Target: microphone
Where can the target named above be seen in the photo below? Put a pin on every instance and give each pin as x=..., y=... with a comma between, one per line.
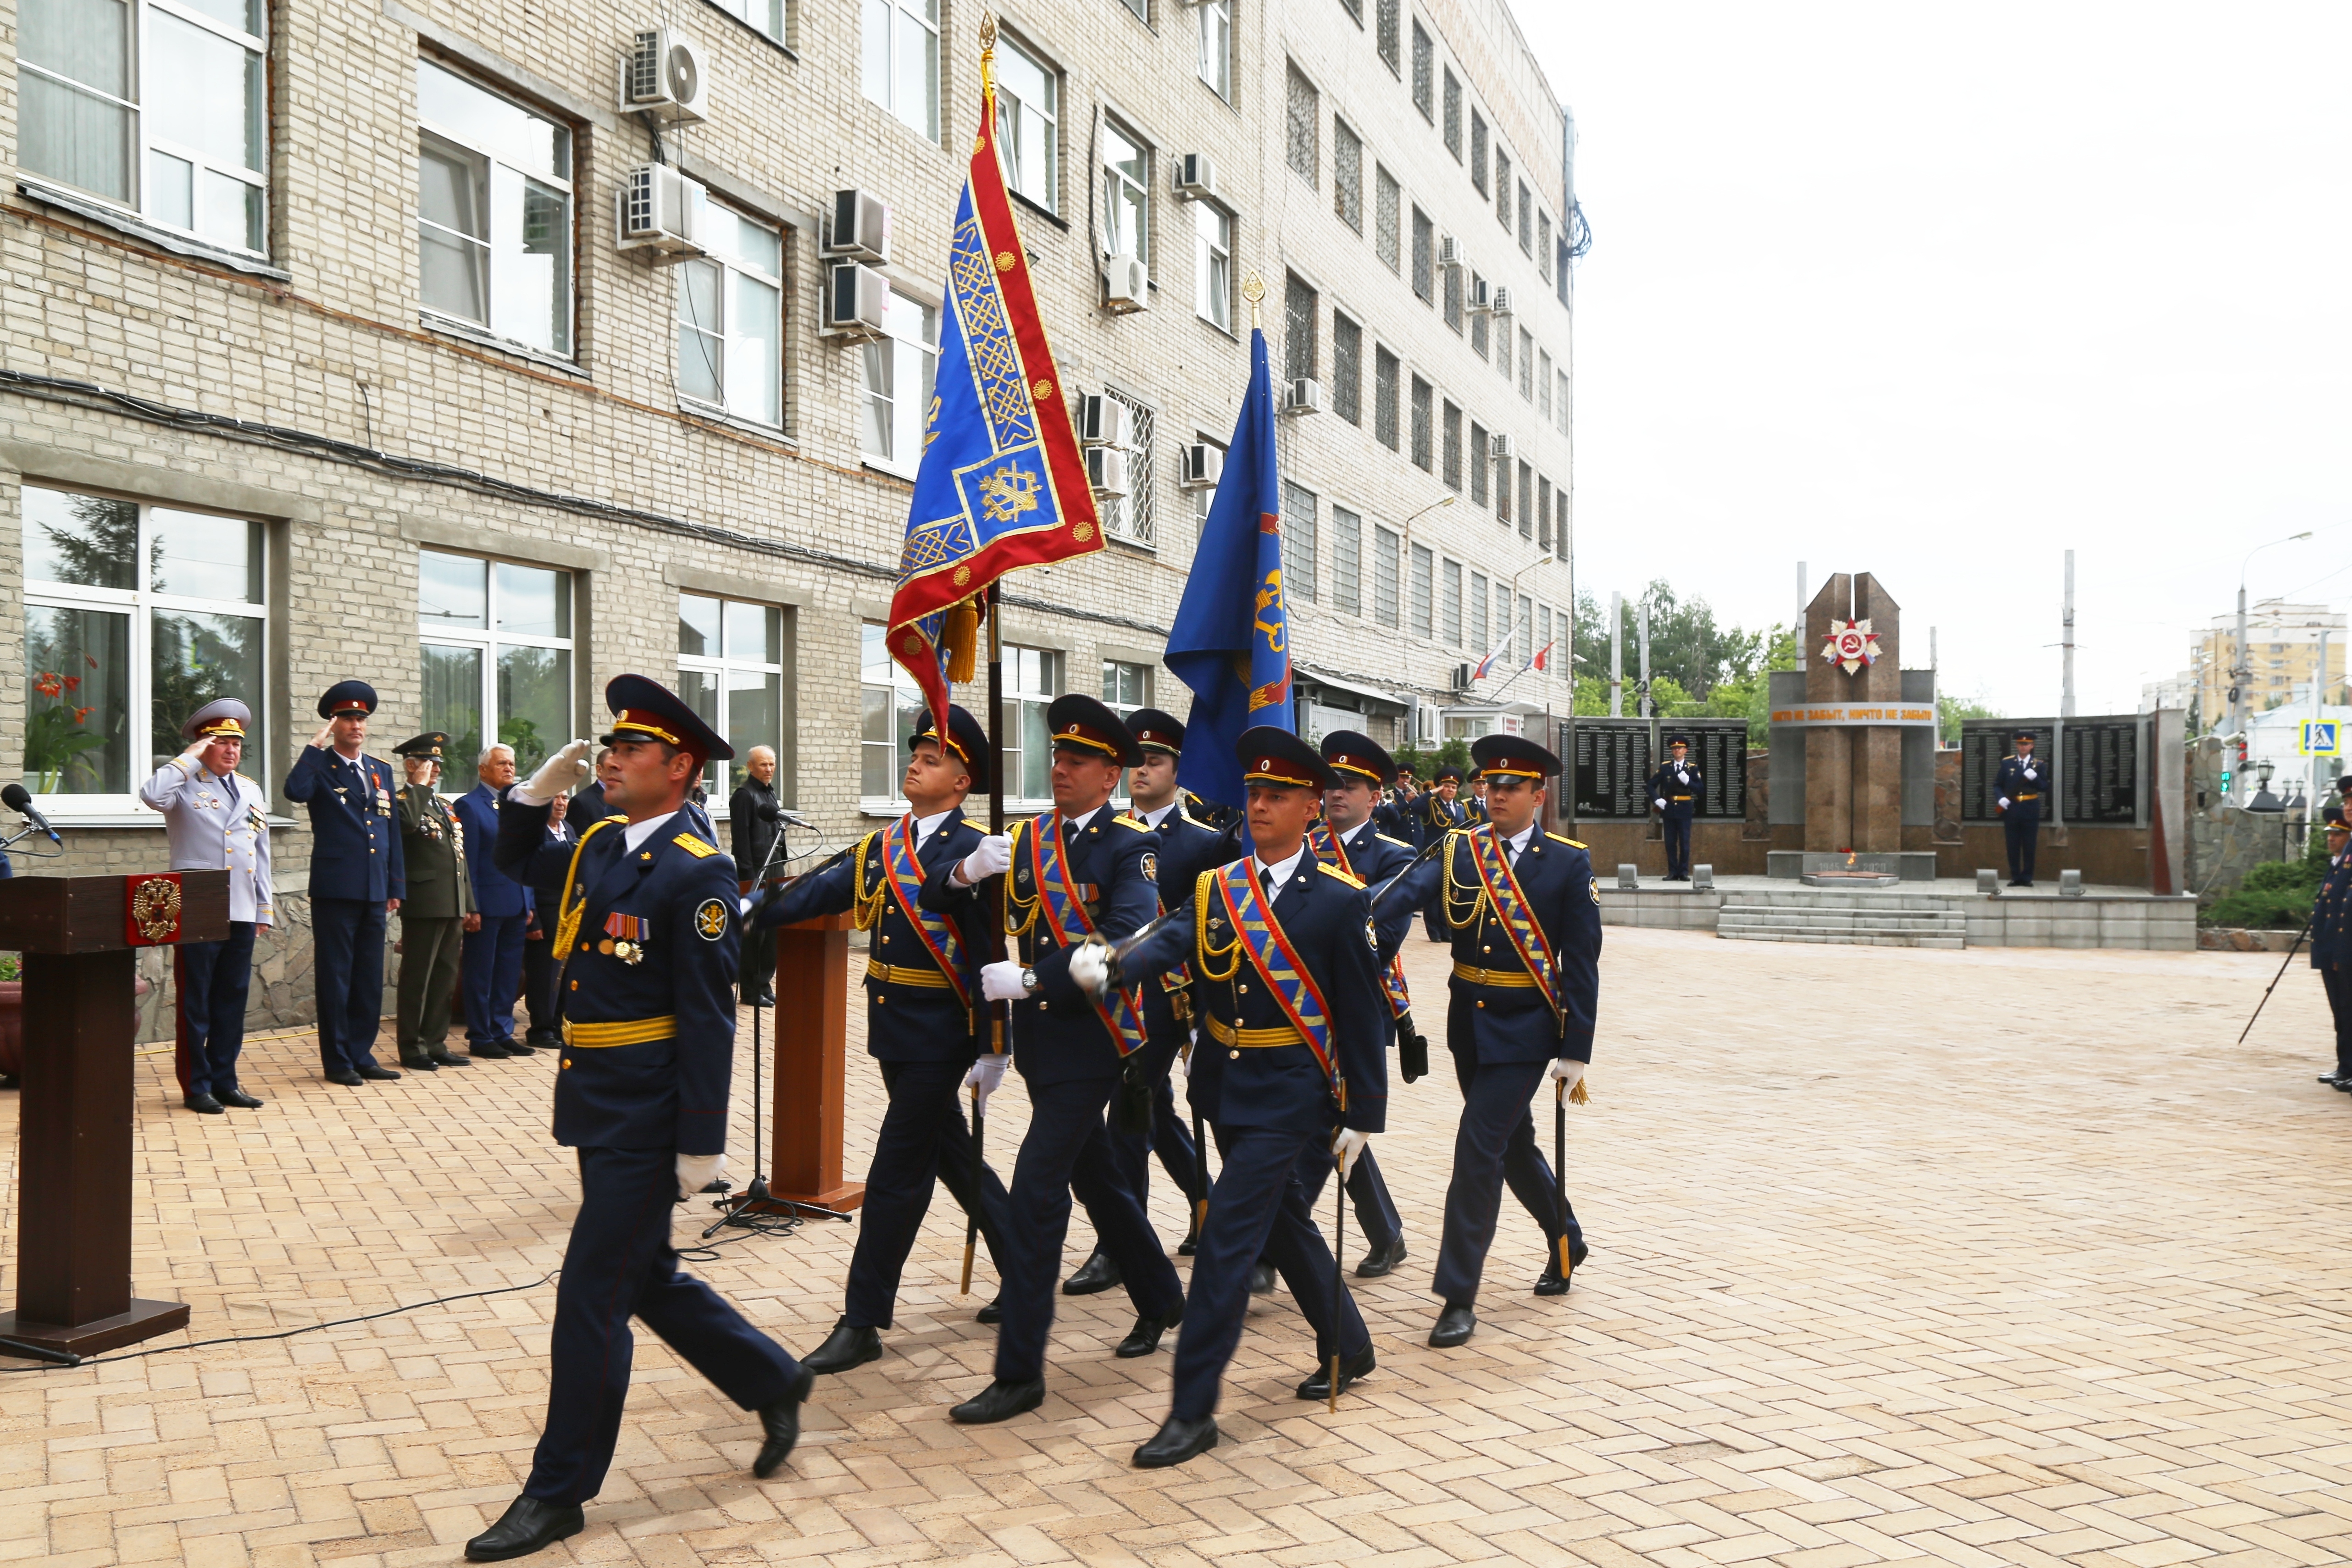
x=792, y=819
x=20, y=801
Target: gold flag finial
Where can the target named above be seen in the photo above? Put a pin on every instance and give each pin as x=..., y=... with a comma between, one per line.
x=988, y=31
x=987, y=52
x=1253, y=291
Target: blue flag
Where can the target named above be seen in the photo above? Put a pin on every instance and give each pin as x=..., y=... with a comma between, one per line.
x=1231, y=641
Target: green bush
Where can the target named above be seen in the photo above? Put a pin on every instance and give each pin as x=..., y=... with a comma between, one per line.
x=2275, y=893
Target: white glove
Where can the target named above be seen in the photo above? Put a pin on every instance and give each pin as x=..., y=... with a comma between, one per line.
x=556, y=776
x=992, y=858
x=1346, y=1147
x=1182, y=1066
x=1567, y=1071
x=1090, y=968
x=1001, y=981
x=695, y=1172
x=2030, y=776
x=1660, y=802
x=2002, y=802
x=986, y=1075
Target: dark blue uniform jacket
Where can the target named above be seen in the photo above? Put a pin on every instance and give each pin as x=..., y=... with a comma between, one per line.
x=496, y=894
x=2331, y=917
x=1680, y=793
x=1187, y=847
x=1376, y=858
x=2008, y=780
x=354, y=824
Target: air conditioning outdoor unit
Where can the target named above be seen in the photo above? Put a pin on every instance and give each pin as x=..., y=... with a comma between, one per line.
x=860, y=227
x=1504, y=446
x=1204, y=465
x=664, y=75
x=1104, y=420
x=1107, y=470
x=658, y=207
x=1196, y=176
x=855, y=298
x=1126, y=284
x=1304, y=395
x=1462, y=680
x=1449, y=253
x=1477, y=297
x=1502, y=302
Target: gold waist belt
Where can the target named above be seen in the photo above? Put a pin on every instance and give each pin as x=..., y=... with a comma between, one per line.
x=2029, y=794
x=1507, y=978
x=1227, y=1035
x=905, y=975
x=621, y=1031
x=1678, y=799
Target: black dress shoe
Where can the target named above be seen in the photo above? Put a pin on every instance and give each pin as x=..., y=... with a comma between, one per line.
x=1319, y=1385
x=1175, y=1442
x=1096, y=1274
x=450, y=1059
x=1144, y=1337
x=522, y=1048
x=1551, y=1281
x=767, y=999
x=1000, y=1401
x=238, y=1098
x=843, y=1348
x=1190, y=1244
x=378, y=1074
x=415, y=1064
x=534, y=1039
x=204, y=1102
x=992, y=1313
x=527, y=1525
x=781, y=1424
x=1454, y=1326
x=1382, y=1261
x=344, y=1076
x=491, y=1050
x=1261, y=1279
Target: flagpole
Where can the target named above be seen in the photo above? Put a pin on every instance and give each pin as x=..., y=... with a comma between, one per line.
x=999, y=1013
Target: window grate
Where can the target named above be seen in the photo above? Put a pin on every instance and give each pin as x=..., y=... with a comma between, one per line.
x=1421, y=436
x=1424, y=60
x=1387, y=197
x=1299, y=542
x=1453, y=114
x=1424, y=588
x=1304, y=120
x=1134, y=517
x=1347, y=561
x=1299, y=304
x=1478, y=464
x=1388, y=40
x=1384, y=574
x=1384, y=397
x=1449, y=604
x=1450, y=439
x=1346, y=369
x=1425, y=256
x=1503, y=190
x=1347, y=174
x=1477, y=151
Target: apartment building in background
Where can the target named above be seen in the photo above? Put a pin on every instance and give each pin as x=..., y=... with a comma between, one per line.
x=2283, y=649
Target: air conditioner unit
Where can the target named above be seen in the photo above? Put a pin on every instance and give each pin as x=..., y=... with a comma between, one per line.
x=860, y=228
x=1449, y=253
x=1104, y=420
x=1204, y=465
x=1504, y=446
x=855, y=298
x=1304, y=395
x=658, y=210
x=1126, y=284
x=664, y=75
x=1463, y=676
x=1502, y=302
x=1196, y=176
x=1477, y=297
x=1107, y=470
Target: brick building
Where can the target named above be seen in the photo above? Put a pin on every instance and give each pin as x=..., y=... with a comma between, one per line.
x=320, y=313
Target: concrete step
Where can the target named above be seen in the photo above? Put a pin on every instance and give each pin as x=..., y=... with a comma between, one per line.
x=1920, y=923
x=1846, y=938
x=1842, y=920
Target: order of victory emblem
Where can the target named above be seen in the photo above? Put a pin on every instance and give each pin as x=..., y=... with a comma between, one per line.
x=1850, y=645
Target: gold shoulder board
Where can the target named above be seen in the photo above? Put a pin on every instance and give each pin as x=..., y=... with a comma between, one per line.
x=693, y=845
x=1350, y=878
x=983, y=827
x=1398, y=842
x=1132, y=823
x=1563, y=838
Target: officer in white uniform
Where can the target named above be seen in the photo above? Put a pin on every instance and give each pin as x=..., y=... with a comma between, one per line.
x=215, y=820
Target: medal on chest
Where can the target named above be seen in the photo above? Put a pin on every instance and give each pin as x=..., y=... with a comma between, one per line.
x=625, y=937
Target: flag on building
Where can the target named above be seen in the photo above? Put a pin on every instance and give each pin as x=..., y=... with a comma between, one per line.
x=1492, y=653
x=1230, y=640
x=1542, y=659
x=1002, y=483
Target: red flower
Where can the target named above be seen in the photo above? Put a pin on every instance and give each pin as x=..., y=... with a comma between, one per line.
x=48, y=684
x=73, y=683
x=90, y=659
x=82, y=713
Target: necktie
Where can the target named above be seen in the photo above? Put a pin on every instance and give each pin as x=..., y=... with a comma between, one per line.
x=1265, y=882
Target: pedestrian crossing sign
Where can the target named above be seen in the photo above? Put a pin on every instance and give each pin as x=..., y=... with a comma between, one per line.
x=2322, y=737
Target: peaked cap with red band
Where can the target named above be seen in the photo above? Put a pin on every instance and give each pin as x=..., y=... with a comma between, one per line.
x=965, y=739
x=645, y=709
x=1083, y=725
x=1350, y=752
x=1512, y=756
x=1271, y=755
x=1157, y=731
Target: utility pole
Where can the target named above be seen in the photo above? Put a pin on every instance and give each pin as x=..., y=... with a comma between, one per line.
x=2241, y=670
x=2318, y=710
x=2066, y=689
x=1797, y=626
x=1616, y=655
x=1648, y=707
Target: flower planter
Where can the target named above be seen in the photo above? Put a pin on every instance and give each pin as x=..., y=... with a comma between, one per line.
x=12, y=1030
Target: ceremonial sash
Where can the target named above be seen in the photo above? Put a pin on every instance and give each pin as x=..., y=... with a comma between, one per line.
x=1332, y=850
x=1271, y=956
x=1068, y=923
x=1491, y=857
x=905, y=874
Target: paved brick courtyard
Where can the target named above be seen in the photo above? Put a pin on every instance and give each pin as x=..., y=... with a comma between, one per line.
x=1993, y=1257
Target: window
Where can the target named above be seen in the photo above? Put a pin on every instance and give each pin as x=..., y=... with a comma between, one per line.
x=1384, y=574
x=1478, y=443
x=1425, y=256
x=1033, y=679
x=730, y=668
x=1543, y=245
x=900, y=369
x=1346, y=369
x=1527, y=220
x=1478, y=628
x=132, y=610
x=1213, y=265
x=1501, y=189
x=1142, y=9
x=1346, y=174
x=156, y=108
x=1347, y=557
x=1559, y=402
x=730, y=322
x=1384, y=397
x=1451, y=298
x=1216, y=66
x=1560, y=523
x=1453, y=114
x=1299, y=318
x=1386, y=37
x=891, y=707
x=1526, y=626
x=1422, y=458
x=1542, y=638
x=1126, y=187
x=1477, y=151
x=902, y=61
x=1527, y=364
x=1450, y=439
x=1424, y=571
x=1478, y=321
x=1029, y=124
x=1449, y=603
x=1424, y=60
x=1526, y=501
x=764, y=15
x=1502, y=489
x=1543, y=384
x=1136, y=514
x=1386, y=196
x=494, y=221
x=496, y=659
x=1503, y=351
x=1126, y=686
x=1299, y=542
x=1355, y=9
x=1304, y=122
x=1543, y=513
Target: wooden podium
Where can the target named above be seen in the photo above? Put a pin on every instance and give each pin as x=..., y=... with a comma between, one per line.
x=812, y=1069
x=79, y=936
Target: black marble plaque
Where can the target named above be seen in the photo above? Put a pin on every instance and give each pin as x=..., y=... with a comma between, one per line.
x=2098, y=766
x=1608, y=767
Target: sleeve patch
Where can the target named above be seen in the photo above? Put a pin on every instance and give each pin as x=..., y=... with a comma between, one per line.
x=710, y=920
x=693, y=846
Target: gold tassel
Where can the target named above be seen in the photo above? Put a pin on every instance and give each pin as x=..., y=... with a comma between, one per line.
x=1577, y=1095
x=963, y=641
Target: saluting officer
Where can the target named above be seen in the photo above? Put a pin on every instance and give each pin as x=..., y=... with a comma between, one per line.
x=2017, y=786
x=645, y=913
x=1394, y=815
x=493, y=947
x=215, y=820
x=437, y=912
x=1525, y=910
x=2331, y=944
x=1675, y=791
x=1474, y=810
x=925, y=1021
x=1077, y=871
x=357, y=879
x=1440, y=814
x=1295, y=1050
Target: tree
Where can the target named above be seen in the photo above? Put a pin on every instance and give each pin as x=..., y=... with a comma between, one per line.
x=1950, y=710
x=1687, y=646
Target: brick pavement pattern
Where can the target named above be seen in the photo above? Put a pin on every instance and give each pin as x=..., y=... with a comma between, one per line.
x=1998, y=1257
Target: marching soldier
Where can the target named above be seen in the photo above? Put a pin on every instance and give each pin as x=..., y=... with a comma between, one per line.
x=356, y=879
x=925, y=1022
x=1079, y=871
x=645, y=912
x=1294, y=1059
x=492, y=964
x=437, y=912
x=1525, y=910
x=1439, y=815
x=1675, y=791
x=215, y=820
x=2017, y=787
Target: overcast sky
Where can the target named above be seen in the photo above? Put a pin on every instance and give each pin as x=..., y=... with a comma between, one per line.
x=1939, y=293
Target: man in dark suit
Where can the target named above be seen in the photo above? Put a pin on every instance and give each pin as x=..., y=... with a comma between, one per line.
x=1078, y=870
x=1293, y=1058
x=494, y=947
x=437, y=912
x=645, y=911
x=925, y=1021
x=754, y=822
x=356, y=879
x=2018, y=787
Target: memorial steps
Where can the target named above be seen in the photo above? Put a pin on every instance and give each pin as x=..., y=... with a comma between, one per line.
x=1861, y=919
x=1948, y=912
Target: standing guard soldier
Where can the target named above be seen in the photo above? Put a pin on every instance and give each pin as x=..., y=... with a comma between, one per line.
x=1440, y=814
x=2017, y=786
x=1525, y=910
x=645, y=912
x=1079, y=871
x=356, y=879
x=215, y=820
x=925, y=1022
x=437, y=912
x=493, y=957
x=2331, y=944
x=1294, y=1059
x=1675, y=791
